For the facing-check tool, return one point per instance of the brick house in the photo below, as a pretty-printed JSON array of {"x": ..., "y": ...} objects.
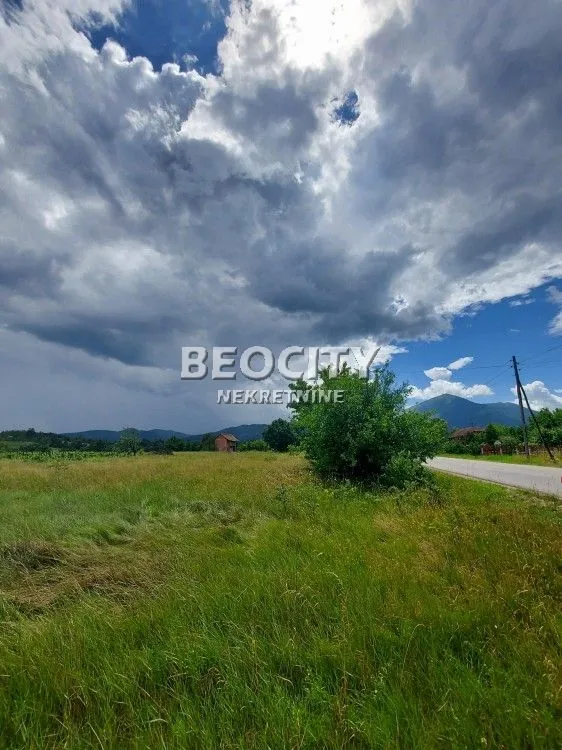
[
  {"x": 226, "y": 443},
  {"x": 466, "y": 432}
]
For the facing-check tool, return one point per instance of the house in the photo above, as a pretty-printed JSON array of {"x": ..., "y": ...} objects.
[
  {"x": 466, "y": 432},
  {"x": 226, "y": 443}
]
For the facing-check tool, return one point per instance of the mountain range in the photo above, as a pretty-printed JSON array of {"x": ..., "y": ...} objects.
[
  {"x": 243, "y": 432},
  {"x": 456, "y": 411},
  {"x": 460, "y": 412}
]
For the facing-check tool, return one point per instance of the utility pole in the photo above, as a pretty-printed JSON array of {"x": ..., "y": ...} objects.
[
  {"x": 521, "y": 409},
  {"x": 537, "y": 425}
]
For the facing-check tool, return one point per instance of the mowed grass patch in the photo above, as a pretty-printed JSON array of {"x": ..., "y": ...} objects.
[
  {"x": 244, "y": 606},
  {"x": 74, "y": 527},
  {"x": 68, "y": 500}
]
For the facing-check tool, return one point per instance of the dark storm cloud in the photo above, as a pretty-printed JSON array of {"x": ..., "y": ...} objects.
[
  {"x": 469, "y": 100},
  {"x": 22, "y": 271},
  {"x": 318, "y": 279},
  {"x": 271, "y": 108},
  {"x": 504, "y": 67},
  {"x": 346, "y": 296},
  {"x": 505, "y": 79},
  {"x": 129, "y": 343},
  {"x": 529, "y": 220},
  {"x": 418, "y": 133}
]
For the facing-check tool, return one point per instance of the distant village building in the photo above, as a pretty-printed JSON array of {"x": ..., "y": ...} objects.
[
  {"x": 226, "y": 443},
  {"x": 466, "y": 432}
]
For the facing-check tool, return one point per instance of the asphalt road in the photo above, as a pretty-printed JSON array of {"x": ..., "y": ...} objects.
[{"x": 538, "y": 478}]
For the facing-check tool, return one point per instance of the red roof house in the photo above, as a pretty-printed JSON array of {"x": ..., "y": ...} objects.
[{"x": 226, "y": 443}]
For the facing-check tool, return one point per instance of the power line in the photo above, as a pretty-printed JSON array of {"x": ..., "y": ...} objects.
[
  {"x": 481, "y": 367},
  {"x": 540, "y": 365},
  {"x": 506, "y": 366},
  {"x": 543, "y": 363},
  {"x": 540, "y": 354}
]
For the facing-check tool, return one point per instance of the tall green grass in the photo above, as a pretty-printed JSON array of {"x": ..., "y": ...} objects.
[{"x": 228, "y": 601}]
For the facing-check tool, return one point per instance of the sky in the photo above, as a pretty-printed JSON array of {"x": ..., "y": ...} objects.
[{"x": 274, "y": 173}]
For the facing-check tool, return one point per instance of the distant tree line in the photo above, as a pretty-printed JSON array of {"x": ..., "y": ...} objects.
[
  {"x": 130, "y": 442},
  {"x": 32, "y": 441}
]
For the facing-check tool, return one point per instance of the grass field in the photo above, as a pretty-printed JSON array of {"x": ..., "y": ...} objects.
[
  {"x": 228, "y": 601},
  {"x": 542, "y": 460}
]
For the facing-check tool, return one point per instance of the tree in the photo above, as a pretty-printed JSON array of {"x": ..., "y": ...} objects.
[
  {"x": 491, "y": 434},
  {"x": 207, "y": 443},
  {"x": 279, "y": 435},
  {"x": 370, "y": 435},
  {"x": 129, "y": 442},
  {"x": 551, "y": 426},
  {"x": 175, "y": 444}
]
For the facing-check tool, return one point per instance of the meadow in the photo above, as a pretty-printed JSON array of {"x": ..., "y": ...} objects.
[{"x": 208, "y": 600}]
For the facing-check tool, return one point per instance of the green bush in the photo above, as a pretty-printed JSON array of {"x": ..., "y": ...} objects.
[
  {"x": 455, "y": 447},
  {"x": 402, "y": 470},
  {"x": 254, "y": 445},
  {"x": 370, "y": 436}
]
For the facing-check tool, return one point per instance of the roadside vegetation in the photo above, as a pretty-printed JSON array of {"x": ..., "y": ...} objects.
[
  {"x": 533, "y": 460},
  {"x": 509, "y": 441},
  {"x": 230, "y": 600}
]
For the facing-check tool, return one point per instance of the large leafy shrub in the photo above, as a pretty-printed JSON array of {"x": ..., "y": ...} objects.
[{"x": 369, "y": 436}]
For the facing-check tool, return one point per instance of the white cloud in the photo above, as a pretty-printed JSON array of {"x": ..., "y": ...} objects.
[
  {"x": 386, "y": 353},
  {"x": 441, "y": 383},
  {"x": 446, "y": 373},
  {"x": 540, "y": 397},
  {"x": 555, "y": 296},
  {"x": 556, "y": 325},
  {"x": 460, "y": 363},
  {"x": 310, "y": 36},
  {"x": 510, "y": 276},
  {"x": 45, "y": 28},
  {"x": 438, "y": 373},
  {"x": 440, "y": 387}
]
